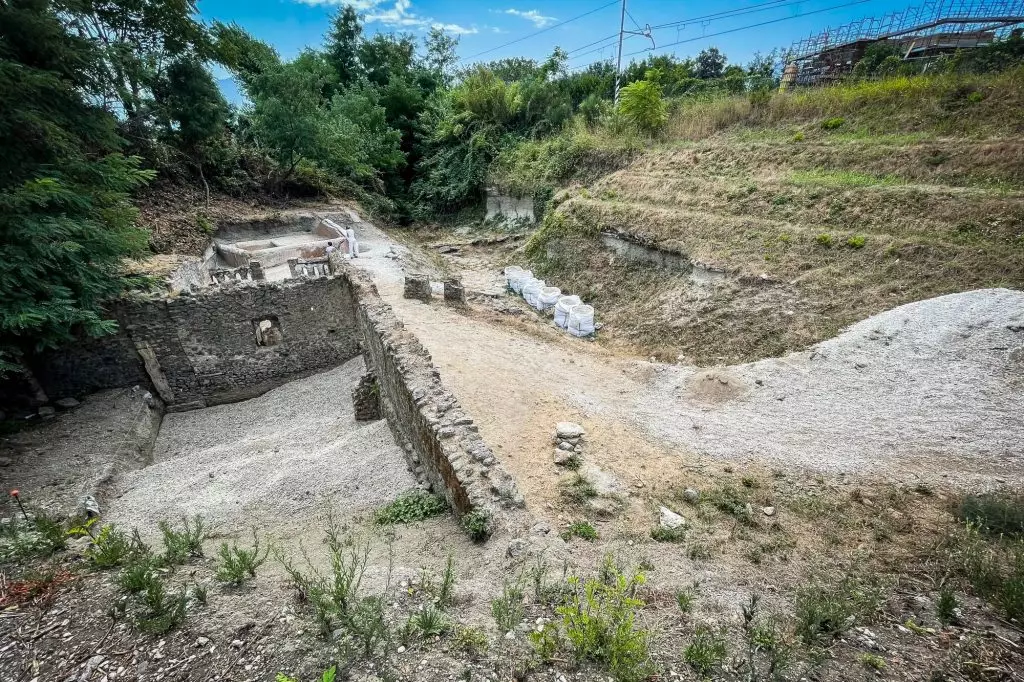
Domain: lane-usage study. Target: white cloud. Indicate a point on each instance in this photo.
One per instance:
(398, 15)
(538, 19)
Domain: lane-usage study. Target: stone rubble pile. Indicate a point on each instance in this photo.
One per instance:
(568, 442)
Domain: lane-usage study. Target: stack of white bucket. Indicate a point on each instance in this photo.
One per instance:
(571, 314)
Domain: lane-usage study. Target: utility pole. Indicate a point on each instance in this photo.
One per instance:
(618, 61)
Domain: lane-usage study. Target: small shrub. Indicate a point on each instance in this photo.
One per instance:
(42, 535)
(328, 676)
(706, 651)
(785, 238)
(161, 611)
(599, 620)
(446, 590)
(137, 576)
(946, 605)
(729, 500)
(993, 567)
(798, 137)
(857, 241)
(686, 597)
(471, 640)
(825, 611)
(112, 547)
(430, 622)
(663, 534)
(580, 529)
(477, 524)
(368, 625)
(578, 490)
(975, 97)
(181, 545)
(238, 565)
(833, 123)
(781, 200)
(997, 513)
(641, 104)
(699, 550)
(872, 661)
(200, 594)
(508, 608)
(825, 239)
(410, 507)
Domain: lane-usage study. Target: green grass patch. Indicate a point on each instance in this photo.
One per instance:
(997, 513)
(842, 178)
(580, 529)
(410, 507)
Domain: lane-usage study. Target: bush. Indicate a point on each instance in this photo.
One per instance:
(410, 507)
(508, 608)
(471, 640)
(112, 547)
(706, 651)
(238, 565)
(477, 524)
(824, 611)
(833, 123)
(662, 534)
(993, 567)
(580, 529)
(641, 104)
(41, 535)
(137, 576)
(161, 611)
(599, 620)
(825, 239)
(996, 513)
(856, 241)
(180, 545)
(430, 622)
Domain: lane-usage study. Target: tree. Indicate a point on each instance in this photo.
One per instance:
(440, 54)
(642, 105)
(343, 44)
(710, 64)
(65, 220)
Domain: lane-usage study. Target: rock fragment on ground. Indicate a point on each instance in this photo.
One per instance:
(670, 519)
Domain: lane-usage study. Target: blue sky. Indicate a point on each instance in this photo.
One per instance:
(482, 25)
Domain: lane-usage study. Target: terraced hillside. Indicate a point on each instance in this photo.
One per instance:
(816, 227)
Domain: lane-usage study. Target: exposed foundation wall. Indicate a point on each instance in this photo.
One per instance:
(425, 417)
(204, 349)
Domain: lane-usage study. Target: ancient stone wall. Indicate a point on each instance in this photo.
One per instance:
(439, 438)
(221, 344)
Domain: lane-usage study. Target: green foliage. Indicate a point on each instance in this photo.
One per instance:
(857, 241)
(599, 621)
(111, 547)
(471, 640)
(328, 676)
(161, 611)
(798, 137)
(663, 534)
(410, 507)
(824, 239)
(238, 565)
(686, 597)
(65, 219)
(729, 500)
(642, 105)
(446, 590)
(825, 610)
(577, 490)
(833, 123)
(477, 524)
(138, 575)
(946, 605)
(430, 622)
(41, 536)
(994, 513)
(580, 529)
(334, 595)
(872, 661)
(706, 651)
(181, 545)
(992, 566)
(508, 608)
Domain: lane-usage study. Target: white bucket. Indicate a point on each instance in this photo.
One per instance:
(531, 290)
(581, 320)
(519, 279)
(548, 298)
(562, 308)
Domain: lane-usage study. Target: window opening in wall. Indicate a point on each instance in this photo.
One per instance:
(268, 331)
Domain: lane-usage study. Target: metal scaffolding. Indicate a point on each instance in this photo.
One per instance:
(924, 32)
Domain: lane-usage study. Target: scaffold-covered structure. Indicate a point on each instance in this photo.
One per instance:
(923, 32)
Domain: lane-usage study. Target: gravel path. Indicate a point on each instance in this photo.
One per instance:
(271, 460)
(928, 391)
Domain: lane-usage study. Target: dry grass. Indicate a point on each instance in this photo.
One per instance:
(816, 233)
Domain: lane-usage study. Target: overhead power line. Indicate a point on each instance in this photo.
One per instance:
(537, 33)
(599, 40)
(750, 26)
(725, 14)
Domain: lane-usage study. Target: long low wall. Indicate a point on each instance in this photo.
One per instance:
(426, 418)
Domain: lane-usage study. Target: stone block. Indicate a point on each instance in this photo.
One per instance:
(417, 287)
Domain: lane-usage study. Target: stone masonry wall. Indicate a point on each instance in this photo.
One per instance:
(425, 417)
(203, 348)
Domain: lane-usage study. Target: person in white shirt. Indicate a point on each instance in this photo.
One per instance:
(330, 249)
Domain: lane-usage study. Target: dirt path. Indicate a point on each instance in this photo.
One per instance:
(931, 391)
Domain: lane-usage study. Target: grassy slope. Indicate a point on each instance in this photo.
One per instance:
(918, 193)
